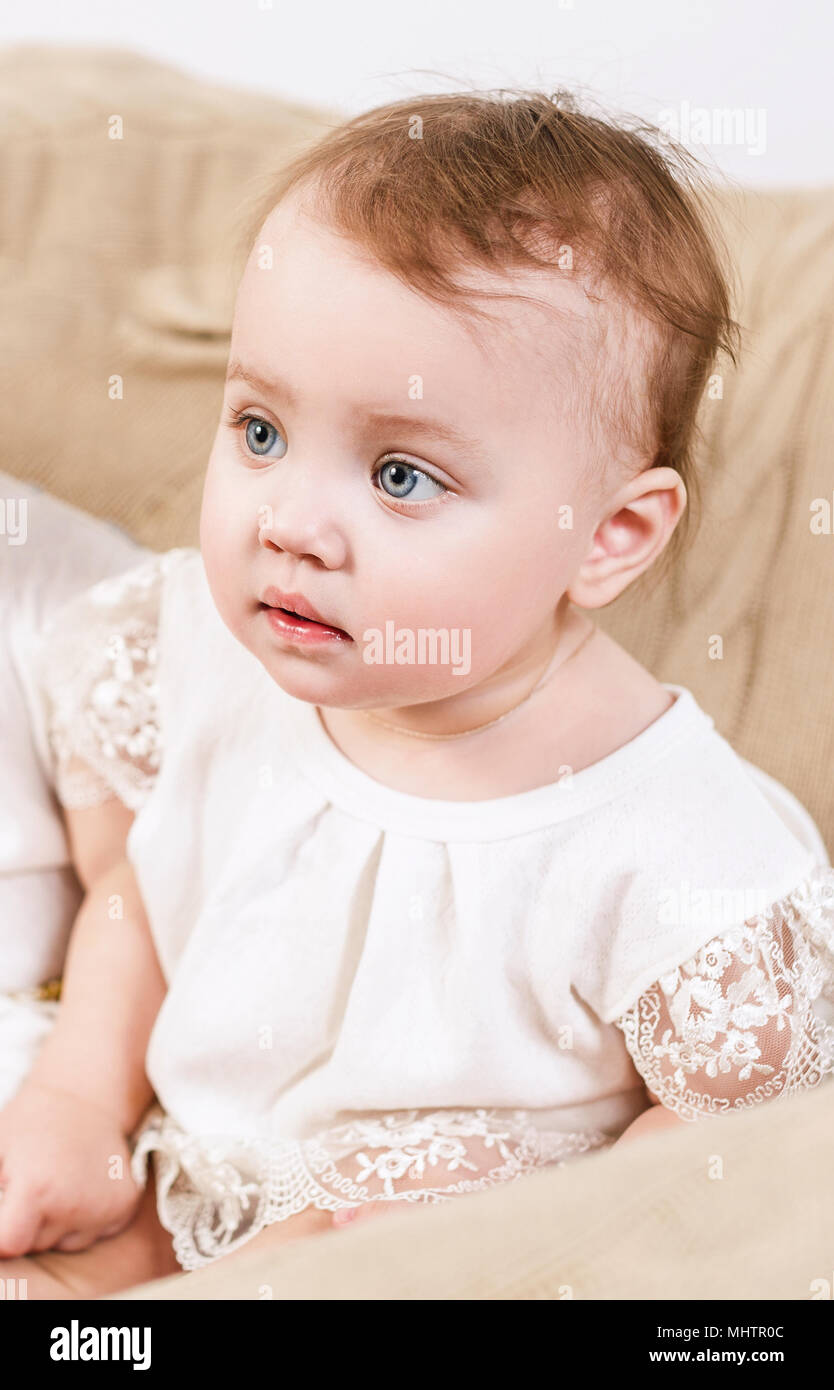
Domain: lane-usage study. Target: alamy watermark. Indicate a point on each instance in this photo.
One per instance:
(14, 516)
(704, 907)
(79, 1342)
(422, 646)
(716, 125)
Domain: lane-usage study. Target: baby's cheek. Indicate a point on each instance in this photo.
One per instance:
(229, 524)
(228, 573)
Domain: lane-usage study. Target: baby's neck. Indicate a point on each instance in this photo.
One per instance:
(598, 702)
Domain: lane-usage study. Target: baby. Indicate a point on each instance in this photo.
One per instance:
(402, 879)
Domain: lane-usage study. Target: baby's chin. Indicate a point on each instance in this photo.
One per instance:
(333, 673)
(330, 677)
(318, 674)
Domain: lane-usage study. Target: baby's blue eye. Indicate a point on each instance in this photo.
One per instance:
(400, 475)
(257, 437)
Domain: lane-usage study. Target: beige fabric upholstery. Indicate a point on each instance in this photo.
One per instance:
(117, 261)
(756, 576)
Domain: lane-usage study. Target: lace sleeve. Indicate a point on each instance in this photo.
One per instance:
(749, 1017)
(97, 673)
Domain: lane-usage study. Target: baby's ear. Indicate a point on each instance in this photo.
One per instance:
(630, 538)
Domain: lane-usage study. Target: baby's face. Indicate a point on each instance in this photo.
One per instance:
(399, 474)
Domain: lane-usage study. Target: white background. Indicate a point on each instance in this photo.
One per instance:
(644, 58)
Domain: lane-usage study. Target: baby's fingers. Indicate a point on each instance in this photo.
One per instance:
(20, 1220)
(348, 1216)
(53, 1235)
(75, 1240)
(82, 1240)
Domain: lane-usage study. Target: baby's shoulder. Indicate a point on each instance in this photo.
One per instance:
(685, 804)
(96, 666)
(96, 619)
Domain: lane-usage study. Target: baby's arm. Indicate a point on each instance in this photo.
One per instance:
(113, 986)
(741, 1022)
(657, 1117)
(64, 1157)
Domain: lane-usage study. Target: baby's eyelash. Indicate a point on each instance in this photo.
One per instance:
(404, 501)
(236, 418)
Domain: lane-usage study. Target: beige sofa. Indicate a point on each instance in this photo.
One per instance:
(118, 262)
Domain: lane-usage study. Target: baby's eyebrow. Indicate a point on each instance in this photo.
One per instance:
(420, 424)
(237, 371)
(415, 424)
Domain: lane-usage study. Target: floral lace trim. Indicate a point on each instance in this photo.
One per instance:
(77, 786)
(98, 669)
(744, 1015)
(213, 1196)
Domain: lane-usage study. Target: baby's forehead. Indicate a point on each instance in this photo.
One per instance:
(584, 355)
(299, 224)
(567, 328)
(548, 330)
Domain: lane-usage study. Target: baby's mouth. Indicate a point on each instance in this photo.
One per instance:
(302, 624)
(292, 612)
(311, 622)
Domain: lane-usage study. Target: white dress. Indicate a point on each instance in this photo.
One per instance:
(375, 995)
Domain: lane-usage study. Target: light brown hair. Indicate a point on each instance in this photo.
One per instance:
(500, 181)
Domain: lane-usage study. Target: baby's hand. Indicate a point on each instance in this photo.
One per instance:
(347, 1217)
(57, 1152)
